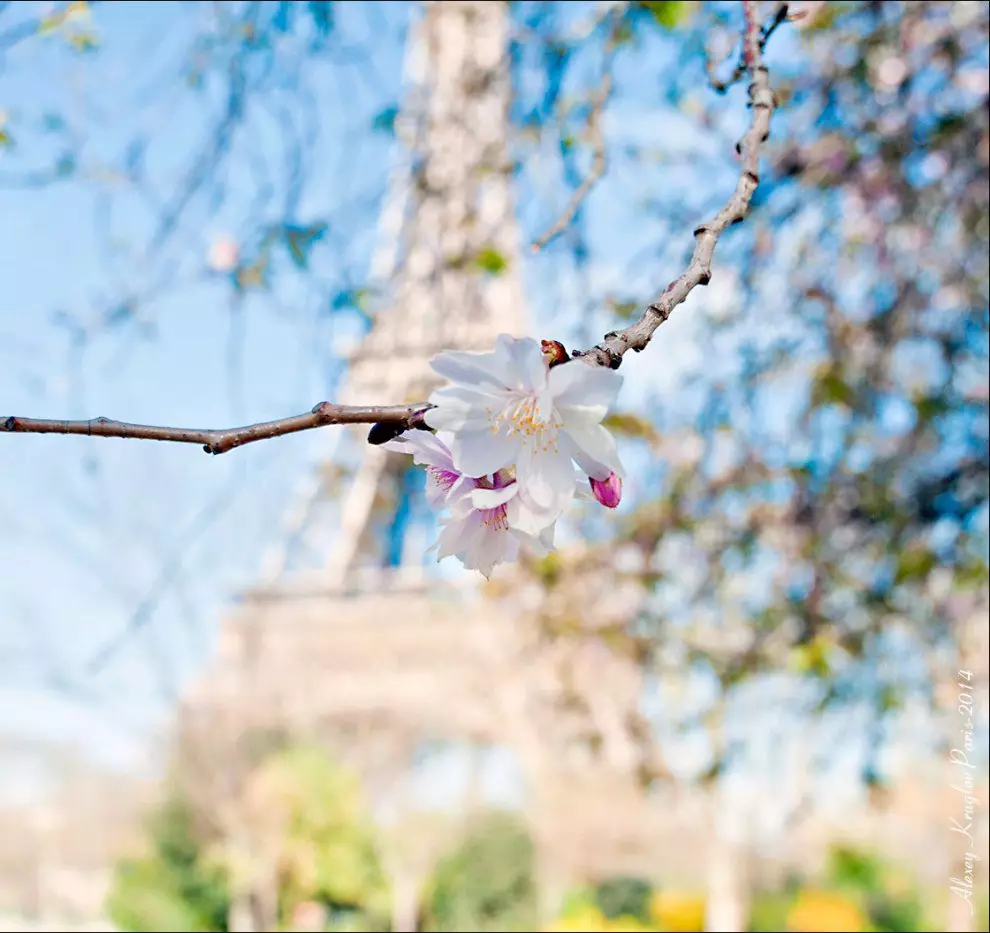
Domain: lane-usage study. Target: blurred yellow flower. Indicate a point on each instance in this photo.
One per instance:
(677, 912)
(822, 912)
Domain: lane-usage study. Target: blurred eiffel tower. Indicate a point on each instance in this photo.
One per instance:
(346, 599)
(448, 217)
(348, 636)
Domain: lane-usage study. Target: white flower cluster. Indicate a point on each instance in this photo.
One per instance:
(510, 428)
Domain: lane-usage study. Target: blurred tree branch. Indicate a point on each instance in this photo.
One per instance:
(598, 158)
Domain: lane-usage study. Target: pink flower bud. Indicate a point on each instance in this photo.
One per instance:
(607, 491)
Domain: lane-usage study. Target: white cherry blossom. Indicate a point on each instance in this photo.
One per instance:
(488, 522)
(509, 408)
(483, 528)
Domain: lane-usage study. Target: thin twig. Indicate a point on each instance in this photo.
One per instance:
(599, 160)
(218, 441)
(762, 102)
(780, 16)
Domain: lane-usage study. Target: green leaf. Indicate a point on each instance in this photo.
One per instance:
(889, 699)
(84, 41)
(830, 388)
(931, 406)
(630, 425)
(384, 121)
(668, 14)
(625, 310)
(914, 563)
(812, 658)
(491, 261)
(300, 241)
(353, 299)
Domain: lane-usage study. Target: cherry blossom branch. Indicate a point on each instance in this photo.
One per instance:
(598, 157)
(390, 421)
(762, 102)
(387, 419)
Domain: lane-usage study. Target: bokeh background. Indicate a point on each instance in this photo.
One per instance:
(752, 698)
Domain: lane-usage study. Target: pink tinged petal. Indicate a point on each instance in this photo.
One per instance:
(609, 491)
(459, 497)
(592, 446)
(583, 389)
(483, 452)
(439, 484)
(426, 449)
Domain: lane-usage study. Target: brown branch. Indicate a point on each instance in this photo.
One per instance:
(762, 102)
(598, 158)
(394, 419)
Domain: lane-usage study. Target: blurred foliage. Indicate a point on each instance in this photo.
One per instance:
(171, 886)
(327, 851)
(858, 891)
(628, 897)
(582, 909)
(487, 884)
(300, 821)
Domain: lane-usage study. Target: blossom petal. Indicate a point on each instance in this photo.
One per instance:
(532, 543)
(492, 498)
(486, 372)
(458, 407)
(452, 538)
(427, 449)
(583, 389)
(482, 452)
(458, 498)
(479, 546)
(547, 477)
(528, 366)
(523, 516)
(592, 446)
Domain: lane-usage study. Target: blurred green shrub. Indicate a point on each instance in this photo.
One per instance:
(170, 886)
(487, 883)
